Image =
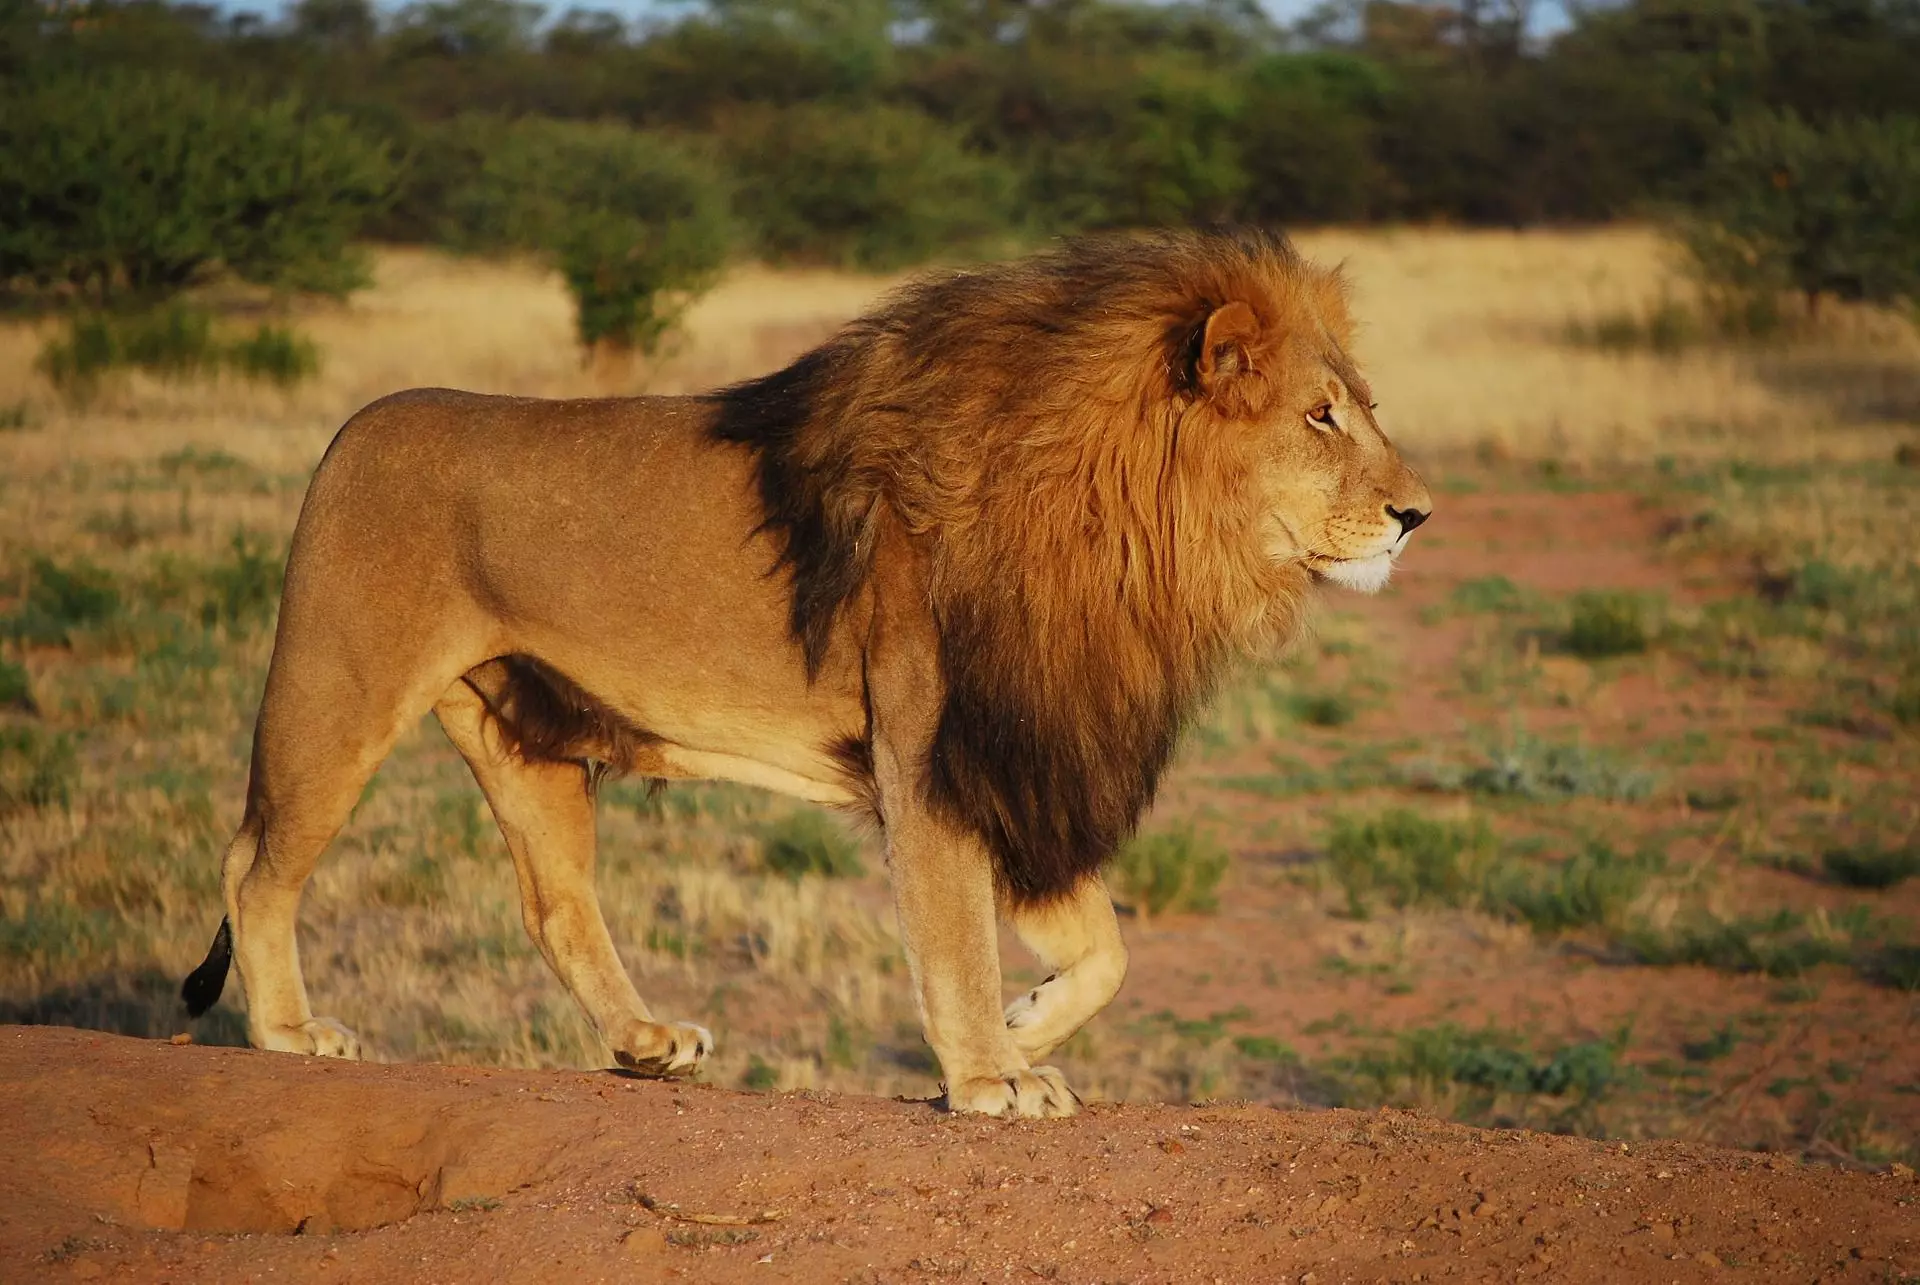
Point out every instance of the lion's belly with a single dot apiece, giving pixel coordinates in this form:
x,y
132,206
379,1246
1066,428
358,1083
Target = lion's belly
x,y
670,611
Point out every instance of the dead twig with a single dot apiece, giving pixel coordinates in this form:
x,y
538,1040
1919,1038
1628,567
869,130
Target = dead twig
x,y
666,1210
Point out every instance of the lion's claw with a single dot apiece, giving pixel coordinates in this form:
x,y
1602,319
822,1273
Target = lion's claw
x,y
1038,1093
664,1049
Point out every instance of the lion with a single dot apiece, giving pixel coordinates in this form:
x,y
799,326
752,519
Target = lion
x,y
963,569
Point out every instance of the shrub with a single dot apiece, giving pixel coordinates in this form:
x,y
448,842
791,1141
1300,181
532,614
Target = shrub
x,y
1782,944
809,842
1788,205
133,185
37,769
1870,866
1424,1062
273,353
1169,870
1322,709
16,686
1495,594
1667,327
873,187
1409,859
243,588
1529,768
1595,886
172,341
1606,624
636,223
61,600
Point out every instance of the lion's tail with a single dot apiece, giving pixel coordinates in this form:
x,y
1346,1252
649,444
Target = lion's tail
x,y
204,984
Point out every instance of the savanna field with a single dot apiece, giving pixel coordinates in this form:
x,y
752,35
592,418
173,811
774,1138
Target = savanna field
x,y
1601,819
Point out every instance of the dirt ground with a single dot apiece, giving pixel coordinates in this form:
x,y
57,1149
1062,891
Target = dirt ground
x,y
180,1163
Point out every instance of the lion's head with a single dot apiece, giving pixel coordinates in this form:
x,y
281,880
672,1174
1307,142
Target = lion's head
x,y
1127,460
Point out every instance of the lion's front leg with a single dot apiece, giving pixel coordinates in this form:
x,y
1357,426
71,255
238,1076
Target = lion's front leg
x,y
943,878
943,886
1077,939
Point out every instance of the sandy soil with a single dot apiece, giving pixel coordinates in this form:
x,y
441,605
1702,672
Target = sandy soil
x,y
146,1161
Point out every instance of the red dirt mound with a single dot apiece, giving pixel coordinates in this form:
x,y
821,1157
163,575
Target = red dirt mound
x,y
151,1162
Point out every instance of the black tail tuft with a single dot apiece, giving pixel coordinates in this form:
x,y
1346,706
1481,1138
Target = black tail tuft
x,y
204,984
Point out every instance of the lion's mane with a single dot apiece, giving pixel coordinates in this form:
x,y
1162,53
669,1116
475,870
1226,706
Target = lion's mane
x,y
1093,519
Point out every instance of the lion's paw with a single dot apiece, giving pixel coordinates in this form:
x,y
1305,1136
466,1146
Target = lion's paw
x,y
1037,1094
1024,1017
317,1036
663,1049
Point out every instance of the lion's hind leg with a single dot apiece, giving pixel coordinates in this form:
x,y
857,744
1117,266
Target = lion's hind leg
x,y
545,810
1077,939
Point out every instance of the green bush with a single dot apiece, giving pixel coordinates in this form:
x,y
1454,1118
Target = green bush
x,y
172,341
61,601
1871,866
1530,768
1596,886
125,185
1606,624
1168,870
1782,944
16,686
874,187
1409,859
244,587
276,354
636,223
37,769
810,842
1821,209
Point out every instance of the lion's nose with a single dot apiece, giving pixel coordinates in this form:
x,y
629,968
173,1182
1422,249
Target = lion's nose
x,y
1408,518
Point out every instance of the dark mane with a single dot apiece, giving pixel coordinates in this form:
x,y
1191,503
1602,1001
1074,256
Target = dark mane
x,y
1091,518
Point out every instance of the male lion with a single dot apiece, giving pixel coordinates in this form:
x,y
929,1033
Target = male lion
x,y
965,567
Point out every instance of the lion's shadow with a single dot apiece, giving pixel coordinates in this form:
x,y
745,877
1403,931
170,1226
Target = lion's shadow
x,y
144,1004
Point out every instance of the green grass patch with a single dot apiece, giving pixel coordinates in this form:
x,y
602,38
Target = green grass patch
x,y
1785,943
1603,624
16,686
1596,886
1665,327
1322,709
1527,767
62,600
1871,866
38,769
1473,1072
1176,869
176,342
1495,594
809,842
1408,859
46,932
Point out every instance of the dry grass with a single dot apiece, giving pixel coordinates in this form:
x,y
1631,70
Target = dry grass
x,y
411,931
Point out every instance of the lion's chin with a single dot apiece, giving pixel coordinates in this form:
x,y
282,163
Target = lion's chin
x,y
1362,575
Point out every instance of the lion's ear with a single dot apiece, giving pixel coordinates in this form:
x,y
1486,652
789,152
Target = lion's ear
x,y
1225,355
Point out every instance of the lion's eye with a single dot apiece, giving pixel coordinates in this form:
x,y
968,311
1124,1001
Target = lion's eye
x,y
1321,416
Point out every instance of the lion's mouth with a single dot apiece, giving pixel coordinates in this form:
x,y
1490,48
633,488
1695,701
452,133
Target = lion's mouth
x,y
1362,575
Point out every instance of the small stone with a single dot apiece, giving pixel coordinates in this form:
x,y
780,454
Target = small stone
x,y
184,1037
643,1242
1663,1174
1485,1209
1160,1215
1662,1231
1707,1258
